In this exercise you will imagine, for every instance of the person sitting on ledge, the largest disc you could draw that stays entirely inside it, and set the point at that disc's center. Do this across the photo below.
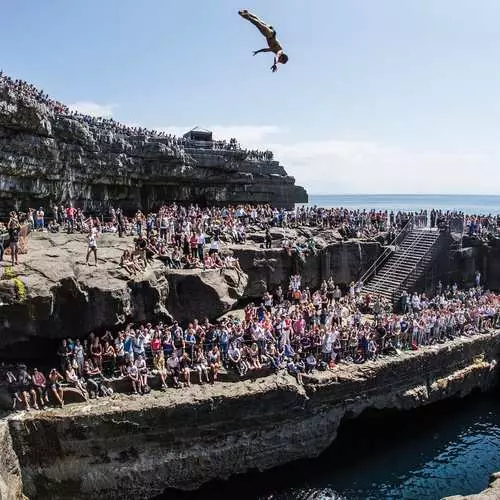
(134, 377)
(201, 365)
(173, 366)
(236, 360)
(53, 226)
(40, 386)
(13, 389)
(55, 387)
(74, 381)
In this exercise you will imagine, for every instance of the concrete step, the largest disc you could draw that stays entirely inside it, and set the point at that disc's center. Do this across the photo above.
(417, 242)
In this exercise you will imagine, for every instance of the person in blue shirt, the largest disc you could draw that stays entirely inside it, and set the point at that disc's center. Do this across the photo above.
(190, 342)
(127, 346)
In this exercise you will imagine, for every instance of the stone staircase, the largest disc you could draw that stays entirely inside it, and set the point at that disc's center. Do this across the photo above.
(407, 262)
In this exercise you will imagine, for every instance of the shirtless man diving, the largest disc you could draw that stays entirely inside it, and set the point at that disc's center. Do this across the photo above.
(270, 35)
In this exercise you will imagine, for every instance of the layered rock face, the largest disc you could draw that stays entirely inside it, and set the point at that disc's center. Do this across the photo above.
(48, 158)
(11, 487)
(345, 261)
(182, 439)
(476, 255)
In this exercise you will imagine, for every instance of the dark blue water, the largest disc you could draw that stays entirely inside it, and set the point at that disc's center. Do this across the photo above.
(445, 449)
(468, 203)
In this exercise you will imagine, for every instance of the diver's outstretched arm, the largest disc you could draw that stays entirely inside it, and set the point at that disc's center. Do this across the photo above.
(274, 67)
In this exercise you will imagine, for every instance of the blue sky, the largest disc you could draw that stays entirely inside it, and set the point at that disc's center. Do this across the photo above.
(378, 96)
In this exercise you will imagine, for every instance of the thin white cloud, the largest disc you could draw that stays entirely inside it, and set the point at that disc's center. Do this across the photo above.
(367, 167)
(93, 108)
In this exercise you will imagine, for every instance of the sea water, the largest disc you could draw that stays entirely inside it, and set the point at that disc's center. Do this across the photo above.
(426, 454)
(468, 203)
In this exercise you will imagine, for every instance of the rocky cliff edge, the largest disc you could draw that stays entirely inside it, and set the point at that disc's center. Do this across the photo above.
(52, 294)
(46, 157)
(182, 439)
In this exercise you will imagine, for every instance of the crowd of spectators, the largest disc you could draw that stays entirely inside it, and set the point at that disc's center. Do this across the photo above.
(368, 223)
(108, 124)
(193, 236)
(28, 91)
(483, 227)
(296, 330)
(229, 146)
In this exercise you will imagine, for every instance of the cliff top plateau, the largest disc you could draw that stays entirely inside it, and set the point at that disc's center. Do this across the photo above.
(49, 154)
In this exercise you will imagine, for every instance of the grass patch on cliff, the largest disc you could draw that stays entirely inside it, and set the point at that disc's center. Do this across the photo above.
(19, 284)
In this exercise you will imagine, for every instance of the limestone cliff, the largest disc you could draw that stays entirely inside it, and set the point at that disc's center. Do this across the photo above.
(53, 294)
(47, 158)
(182, 439)
(10, 473)
(476, 255)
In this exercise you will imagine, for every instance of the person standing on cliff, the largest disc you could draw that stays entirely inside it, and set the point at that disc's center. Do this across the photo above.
(269, 239)
(141, 245)
(70, 218)
(40, 219)
(139, 220)
(120, 222)
(14, 229)
(92, 247)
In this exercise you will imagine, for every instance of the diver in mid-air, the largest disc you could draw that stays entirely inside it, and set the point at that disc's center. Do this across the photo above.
(270, 34)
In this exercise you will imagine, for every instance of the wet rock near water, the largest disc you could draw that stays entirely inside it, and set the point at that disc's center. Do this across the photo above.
(490, 493)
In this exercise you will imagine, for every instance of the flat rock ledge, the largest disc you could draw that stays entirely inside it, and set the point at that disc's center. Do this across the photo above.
(183, 439)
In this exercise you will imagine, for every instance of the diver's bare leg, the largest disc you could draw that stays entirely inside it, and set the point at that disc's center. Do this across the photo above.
(265, 30)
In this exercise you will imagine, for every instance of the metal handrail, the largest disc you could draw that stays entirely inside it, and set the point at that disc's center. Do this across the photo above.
(404, 255)
(387, 252)
(413, 272)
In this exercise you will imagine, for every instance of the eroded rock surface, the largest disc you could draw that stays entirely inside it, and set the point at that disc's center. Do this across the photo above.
(10, 472)
(62, 296)
(346, 261)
